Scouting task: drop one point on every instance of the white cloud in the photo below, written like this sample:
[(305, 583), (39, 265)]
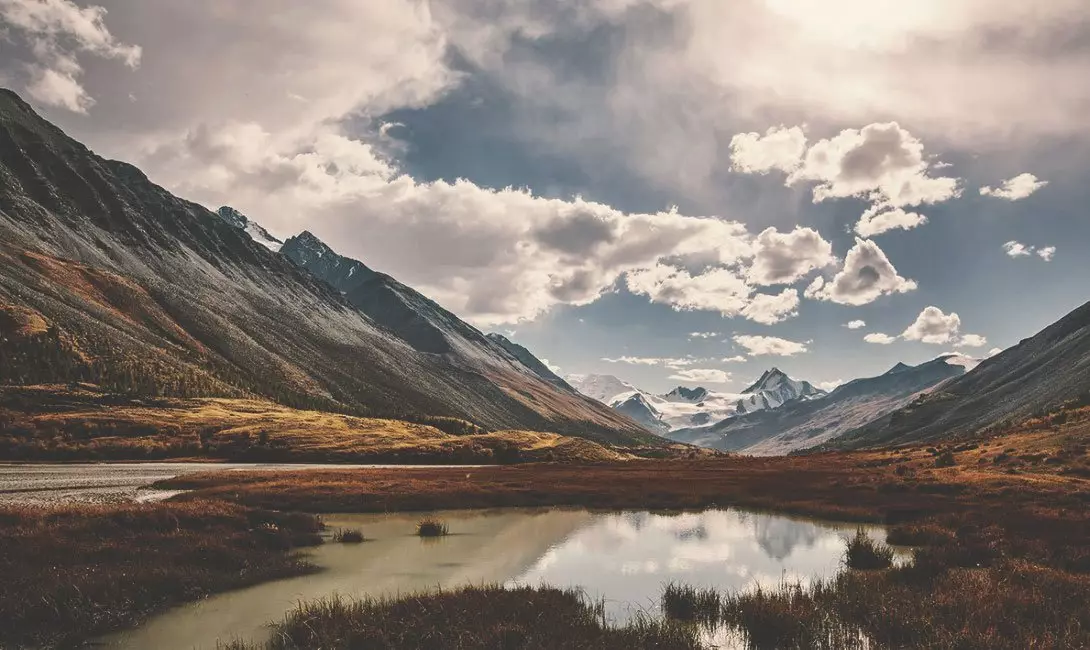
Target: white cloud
[(855, 324), (636, 361), (879, 338), (785, 258), (973, 341), (994, 351), (769, 309), (555, 368), (867, 274), (770, 346), (883, 163), (934, 326), (56, 33), (1015, 189), (674, 363), (829, 386), (779, 148), (877, 220), (1016, 249), (704, 335), (737, 359), (702, 376)]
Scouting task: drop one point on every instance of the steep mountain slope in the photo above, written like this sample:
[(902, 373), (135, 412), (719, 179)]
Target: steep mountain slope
[(1037, 375), (694, 407), (808, 422), (251, 228), (529, 360), (141, 291)]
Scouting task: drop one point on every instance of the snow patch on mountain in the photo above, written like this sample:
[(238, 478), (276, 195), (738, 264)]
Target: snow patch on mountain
[(251, 228)]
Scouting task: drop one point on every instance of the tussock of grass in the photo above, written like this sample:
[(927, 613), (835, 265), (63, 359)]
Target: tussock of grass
[(431, 527), (347, 536), (686, 603), (72, 573), (925, 534), (473, 617), (866, 554)]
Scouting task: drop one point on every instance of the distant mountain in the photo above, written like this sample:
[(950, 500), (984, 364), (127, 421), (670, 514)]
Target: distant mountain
[(112, 279), (814, 419), (251, 228), (1037, 375), (604, 388), (685, 407)]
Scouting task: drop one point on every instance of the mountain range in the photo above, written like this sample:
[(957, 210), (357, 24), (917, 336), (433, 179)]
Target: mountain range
[(693, 407), (108, 278)]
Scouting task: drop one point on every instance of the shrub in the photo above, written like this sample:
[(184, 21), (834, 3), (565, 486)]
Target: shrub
[(946, 459), (687, 603), (347, 536), (865, 554), (431, 527)]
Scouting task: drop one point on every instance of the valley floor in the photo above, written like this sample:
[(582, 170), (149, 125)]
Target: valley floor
[(1002, 524)]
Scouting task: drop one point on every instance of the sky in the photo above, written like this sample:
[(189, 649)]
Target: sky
[(670, 191)]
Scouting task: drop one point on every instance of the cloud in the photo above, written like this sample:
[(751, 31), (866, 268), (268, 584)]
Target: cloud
[(770, 346), (829, 386), (881, 163), (1015, 189), (769, 309), (1018, 249), (674, 363), (785, 258), (934, 326), (636, 361), (704, 335), (557, 370), (877, 220), (779, 148), (855, 324), (867, 275), (880, 339), (994, 351), (56, 33), (702, 376), (973, 341), (737, 359)]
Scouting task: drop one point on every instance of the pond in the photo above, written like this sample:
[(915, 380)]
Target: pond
[(622, 558)]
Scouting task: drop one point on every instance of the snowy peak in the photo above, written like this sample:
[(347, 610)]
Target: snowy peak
[(604, 388), (683, 394), (251, 228), (770, 380)]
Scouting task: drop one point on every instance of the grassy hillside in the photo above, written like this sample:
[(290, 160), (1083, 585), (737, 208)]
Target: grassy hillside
[(82, 422)]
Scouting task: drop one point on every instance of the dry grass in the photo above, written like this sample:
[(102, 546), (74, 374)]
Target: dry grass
[(67, 424), (690, 604), (473, 617), (347, 536), (71, 573), (865, 554)]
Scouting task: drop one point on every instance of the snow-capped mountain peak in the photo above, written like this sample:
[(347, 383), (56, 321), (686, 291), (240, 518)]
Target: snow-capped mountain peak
[(251, 228), (683, 394), (604, 388), (770, 380)]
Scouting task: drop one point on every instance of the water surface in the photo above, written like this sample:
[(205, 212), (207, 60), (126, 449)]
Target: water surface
[(623, 558)]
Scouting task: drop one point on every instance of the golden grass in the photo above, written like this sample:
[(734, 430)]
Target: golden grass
[(84, 424)]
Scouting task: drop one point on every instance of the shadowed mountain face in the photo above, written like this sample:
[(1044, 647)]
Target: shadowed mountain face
[(801, 424), (1037, 375), (106, 277)]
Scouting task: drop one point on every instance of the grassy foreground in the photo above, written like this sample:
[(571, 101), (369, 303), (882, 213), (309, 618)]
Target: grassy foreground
[(71, 573), (470, 618)]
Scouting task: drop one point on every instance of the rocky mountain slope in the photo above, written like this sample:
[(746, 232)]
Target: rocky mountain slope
[(1039, 374), (694, 407), (109, 278), (801, 424)]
